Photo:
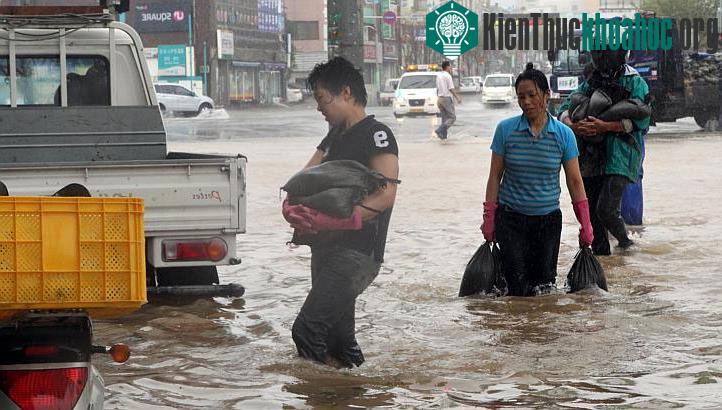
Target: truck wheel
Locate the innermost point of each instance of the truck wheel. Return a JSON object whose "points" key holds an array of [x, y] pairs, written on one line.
{"points": [[187, 276]]}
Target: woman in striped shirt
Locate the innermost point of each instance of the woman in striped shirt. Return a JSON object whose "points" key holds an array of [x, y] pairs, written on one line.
{"points": [[521, 211]]}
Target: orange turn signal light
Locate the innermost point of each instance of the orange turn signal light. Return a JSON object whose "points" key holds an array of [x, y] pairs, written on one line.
{"points": [[216, 249], [119, 352]]}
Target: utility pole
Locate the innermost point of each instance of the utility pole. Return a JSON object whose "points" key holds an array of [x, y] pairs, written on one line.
{"points": [[345, 30]]}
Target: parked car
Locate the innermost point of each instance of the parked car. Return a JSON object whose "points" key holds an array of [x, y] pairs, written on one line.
{"points": [[416, 94], [386, 97], [469, 85], [180, 100], [479, 80], [498, 89], [293, 95]]}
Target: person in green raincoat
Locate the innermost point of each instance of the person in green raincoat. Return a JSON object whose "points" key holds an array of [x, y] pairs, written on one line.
{"points": [[610, 152]]}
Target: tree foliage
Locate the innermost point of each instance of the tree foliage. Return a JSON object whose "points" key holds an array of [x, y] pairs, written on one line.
{"points": [[682, 9]]}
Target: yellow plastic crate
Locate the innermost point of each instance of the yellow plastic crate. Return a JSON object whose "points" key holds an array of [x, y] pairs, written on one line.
{"points": [[68, 253]]}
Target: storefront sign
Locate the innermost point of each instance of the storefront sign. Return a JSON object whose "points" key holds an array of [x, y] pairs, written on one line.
{"points": [[171, 59], [164, 16], [274, 66]]}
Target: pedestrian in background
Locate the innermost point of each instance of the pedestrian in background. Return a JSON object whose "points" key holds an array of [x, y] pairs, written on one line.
{"points": [[346, 253], [521, 211], [445, 90]]}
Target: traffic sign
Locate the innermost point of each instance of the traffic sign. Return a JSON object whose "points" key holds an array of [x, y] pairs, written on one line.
{"points": [[389, 17]]}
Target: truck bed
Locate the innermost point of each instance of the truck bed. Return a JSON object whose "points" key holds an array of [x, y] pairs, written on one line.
{"points": [[183, 193]]}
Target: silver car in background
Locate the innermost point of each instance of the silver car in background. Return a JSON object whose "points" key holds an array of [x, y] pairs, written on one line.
{"points": [[178, 99]]}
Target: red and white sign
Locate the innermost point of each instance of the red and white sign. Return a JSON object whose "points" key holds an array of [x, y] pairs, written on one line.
{"points": [[389, 17], [370, 53]]}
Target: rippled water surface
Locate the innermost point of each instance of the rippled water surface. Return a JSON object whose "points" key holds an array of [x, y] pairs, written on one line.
{"points": [[653, 341]]}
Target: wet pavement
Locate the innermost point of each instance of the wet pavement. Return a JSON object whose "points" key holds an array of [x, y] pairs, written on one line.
{"points": [[653, 341]]}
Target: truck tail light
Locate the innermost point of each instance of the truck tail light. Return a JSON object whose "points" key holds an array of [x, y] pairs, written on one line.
{"points": [[44, 388], [214, 249]]}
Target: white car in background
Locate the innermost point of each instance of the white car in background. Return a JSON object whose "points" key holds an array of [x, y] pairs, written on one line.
{"points": [[469, 85], [386, 97], [293, 95], [178, 99], [498, 89], [416, 94]]}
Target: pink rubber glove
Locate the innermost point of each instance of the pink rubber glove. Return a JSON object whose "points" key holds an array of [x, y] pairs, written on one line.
{"points": [[586, 233], [319, 221], [487, 227], [297, 216]]}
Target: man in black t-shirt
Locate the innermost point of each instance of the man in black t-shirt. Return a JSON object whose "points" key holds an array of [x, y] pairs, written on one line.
{"points": [[346, 253]]}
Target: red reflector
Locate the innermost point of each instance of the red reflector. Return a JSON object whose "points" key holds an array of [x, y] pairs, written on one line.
{"points": [[40, 351], [191, 251], [214, 249], [44, 389]]}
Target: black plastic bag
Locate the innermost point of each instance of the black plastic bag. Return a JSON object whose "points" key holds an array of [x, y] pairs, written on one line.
{"points": [[483, 272], [73, 190], [334, 174], [586, 272]]}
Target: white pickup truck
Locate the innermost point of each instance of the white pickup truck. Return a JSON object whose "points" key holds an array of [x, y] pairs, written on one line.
{"points": [[77, 105]]}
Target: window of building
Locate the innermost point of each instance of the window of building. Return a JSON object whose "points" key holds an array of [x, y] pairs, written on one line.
{"points": [[303, 30]]}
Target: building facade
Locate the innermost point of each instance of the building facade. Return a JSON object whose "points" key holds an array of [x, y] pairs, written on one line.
{"points": [[235, 49], [306, 23]]}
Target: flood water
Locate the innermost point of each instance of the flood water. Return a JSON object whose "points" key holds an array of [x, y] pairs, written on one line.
{"points": [[653, 341]]}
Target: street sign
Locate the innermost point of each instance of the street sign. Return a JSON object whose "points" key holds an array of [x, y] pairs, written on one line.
{"points": [[389, 17]]}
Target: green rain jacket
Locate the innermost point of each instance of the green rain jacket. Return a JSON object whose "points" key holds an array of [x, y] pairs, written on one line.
{"points": [[622, 158]]}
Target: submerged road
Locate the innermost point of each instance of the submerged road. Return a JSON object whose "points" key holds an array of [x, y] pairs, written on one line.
{"points": [[653, 341]]}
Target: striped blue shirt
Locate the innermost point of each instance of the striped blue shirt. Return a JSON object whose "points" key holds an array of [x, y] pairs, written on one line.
{"points": [[530, 184]]}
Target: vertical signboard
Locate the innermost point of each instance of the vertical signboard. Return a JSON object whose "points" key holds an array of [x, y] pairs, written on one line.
{"points": [[270, 17], [387, 29], [171, 59], [225, 44]]}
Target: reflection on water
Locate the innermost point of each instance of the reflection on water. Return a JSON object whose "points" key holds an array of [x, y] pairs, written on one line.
{"points": [[651, 342]]}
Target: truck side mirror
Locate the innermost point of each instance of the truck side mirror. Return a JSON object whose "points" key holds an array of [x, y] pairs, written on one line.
{"points": [[552, 55]]}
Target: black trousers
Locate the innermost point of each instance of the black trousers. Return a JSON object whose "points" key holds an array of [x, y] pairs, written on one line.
{"points": [[529, 246], [605, 206], [326, 324]]}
